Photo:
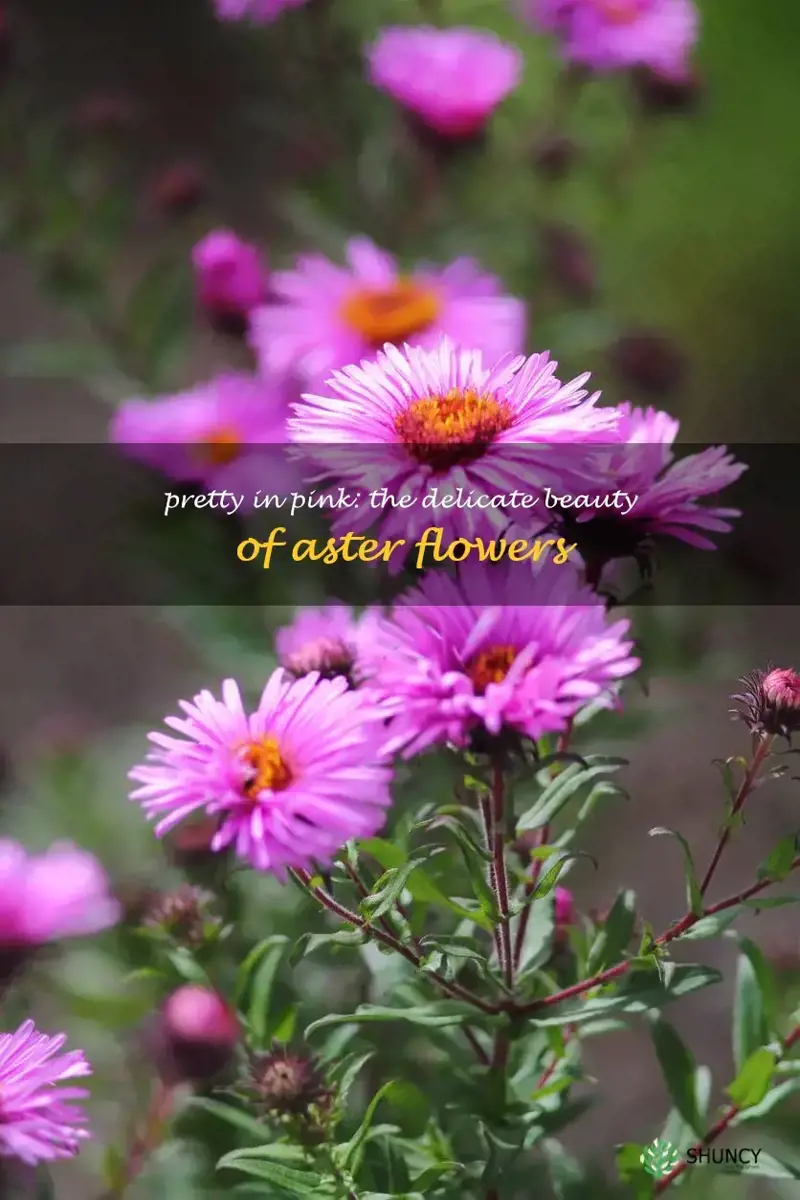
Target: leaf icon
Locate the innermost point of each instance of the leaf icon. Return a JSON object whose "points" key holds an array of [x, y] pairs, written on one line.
{"points": [[659, 1158]]}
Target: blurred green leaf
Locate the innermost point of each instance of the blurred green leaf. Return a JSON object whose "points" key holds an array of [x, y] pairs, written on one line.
{"points": [[640, 992], [752, 1083], [348, 1156], [678, 1068], [754, 1003], [439, 1014], [615, 935], [233, 1116], [778, 863], [693, 897], [564, 787]]}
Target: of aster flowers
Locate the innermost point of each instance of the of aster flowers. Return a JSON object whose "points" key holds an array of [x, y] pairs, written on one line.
{"points": [[44, 897], [206, 435], [612, 35], [451, 79], [291, 781], [488, 652], [230, 279], [330, 641], [258, 11], [325, 317], [38, 1122], [668, 491], [420, 419]]}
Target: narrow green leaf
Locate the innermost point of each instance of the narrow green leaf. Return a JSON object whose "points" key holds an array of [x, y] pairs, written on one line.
{"points": [[616, 934], [778, 864], [388, 890], [752, 1083], [438, 1015], [713, 926], [641, 992], [550, 878], [350, 1154], [263, 980], [678, 1068], [562, 789], [771, 1100], [754, 1004], [292, 1180], [693, 896], [232, 1116]]}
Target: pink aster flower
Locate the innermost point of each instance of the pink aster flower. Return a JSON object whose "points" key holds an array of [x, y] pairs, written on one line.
{"points": [[493, 651], [564, 907], [206, 434], [329, 641], [452, 79], [37, 1121], [43, 897], [259, 11], [292, 781], [326, 317], [417, 420], [230, 278]]}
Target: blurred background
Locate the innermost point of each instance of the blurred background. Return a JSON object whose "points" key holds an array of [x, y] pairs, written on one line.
{"points": [[131, 129]]}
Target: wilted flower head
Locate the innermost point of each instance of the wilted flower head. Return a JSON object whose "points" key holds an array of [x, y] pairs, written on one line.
{"points": [[326, 640], [207, 434], [196, 1035], [452, 79], [292, 781], [325, 316], [230, 279], [611, 35], [259, 11], [771, 702], [43, 897], [491, 653], [287, 1084], [38, 1122], [418, 419]]}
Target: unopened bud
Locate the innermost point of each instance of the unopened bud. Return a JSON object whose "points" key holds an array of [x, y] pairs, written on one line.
{"points": [[564, 909], [659, 95], [197, 1035], [648, 361], [771, 703], [568, 259], [289, 1087], [185, 915], [179, 189]]}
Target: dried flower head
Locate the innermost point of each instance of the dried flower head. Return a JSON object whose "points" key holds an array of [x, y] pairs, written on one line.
{"points": [[184, 914], [290, 1087], [771, 702]]}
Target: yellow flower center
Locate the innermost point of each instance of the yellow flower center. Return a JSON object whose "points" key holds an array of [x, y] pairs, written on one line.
{"points": [[269, 770], [219, 447], [491, 666], [391, 314], [457, 427], [620, 12]]}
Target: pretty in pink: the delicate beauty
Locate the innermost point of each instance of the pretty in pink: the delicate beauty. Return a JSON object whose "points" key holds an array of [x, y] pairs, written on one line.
{"points": [[497, 649], [258, 11], [325, 316], [43, 897], [329, 641], [291, 781], [414, 420], [230, 277], [38, 1121], [612, 35], [452, 79], [206, 435]]}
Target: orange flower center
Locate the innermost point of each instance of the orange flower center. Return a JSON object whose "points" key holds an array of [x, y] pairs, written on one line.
{"points": [[442, 431], [219, 447], [269, 770], [491, 666], [391, 314], [620, 12]]}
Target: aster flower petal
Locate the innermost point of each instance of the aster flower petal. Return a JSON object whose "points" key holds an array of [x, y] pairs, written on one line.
{"points": [[61, 893], [37, 1124]]}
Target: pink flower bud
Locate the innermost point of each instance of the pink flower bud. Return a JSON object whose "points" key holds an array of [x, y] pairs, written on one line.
{"points": [[230, 279], [771, 703], [564, 908], [197, 1036]]}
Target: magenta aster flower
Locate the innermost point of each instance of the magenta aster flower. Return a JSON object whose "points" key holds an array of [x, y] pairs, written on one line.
{"points": [[328, 316], [415, 420], [491, 652], [43, 897], [259, 11], [230, 278], [206, 434], [564, 907], [292, 781], [452, 79], [37, 1121], [329, 641]]}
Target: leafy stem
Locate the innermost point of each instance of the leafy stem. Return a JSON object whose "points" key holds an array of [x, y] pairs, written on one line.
{"points": [[150, 1136]]}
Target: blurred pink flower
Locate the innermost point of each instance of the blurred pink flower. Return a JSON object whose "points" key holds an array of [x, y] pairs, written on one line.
{"points": [[292, 781], [611, 35], [61, 893], [564, 908], [259, 11], [207, 434], [453, 79], [329, 640], [37, 1124], [326, 317], [230, 277]]}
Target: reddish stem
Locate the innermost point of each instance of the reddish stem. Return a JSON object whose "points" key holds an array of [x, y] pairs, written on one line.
{"points": [[158, 1113], [760, 753]]}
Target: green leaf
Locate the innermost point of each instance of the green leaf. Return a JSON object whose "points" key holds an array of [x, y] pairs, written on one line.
{"points": [[291, 1179], [678, 1068], [778, 864], [232, 1116], [113, 1169], [615, 936], [350, 1154], [551, 877], [438, 1015], [348, 1073], [754, 1004], [419, 883], [561, 790], [386, 854], [631, 1171], [258, 972], [771, 1100], [55, 360], [752, 1083], [641, 992], [434, 1173], [712, 926], [767, 1167], [388, 890], [693, 896]]}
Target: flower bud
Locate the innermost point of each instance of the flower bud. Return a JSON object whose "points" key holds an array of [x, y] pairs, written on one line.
{"points": [[179, 189], [771, 703], [184, 915], [196, 1037], [289, 1087], [569, 261], [230, 280], [648, 361]]}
